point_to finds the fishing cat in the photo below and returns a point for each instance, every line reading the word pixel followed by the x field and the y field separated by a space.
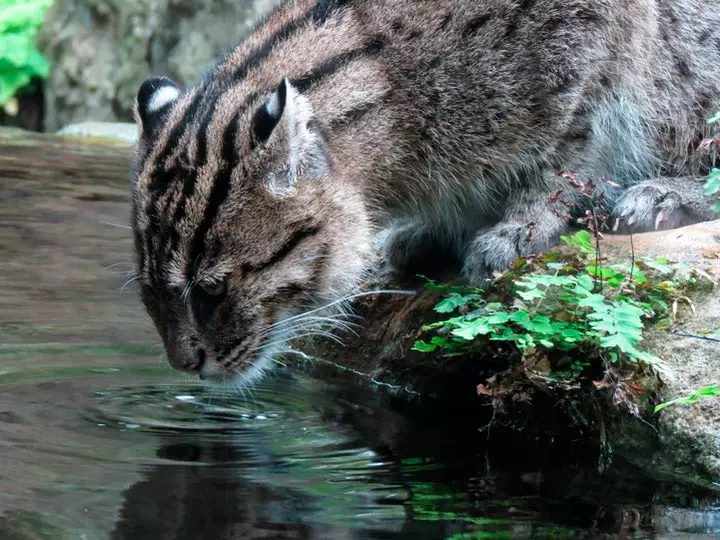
pixel 258 192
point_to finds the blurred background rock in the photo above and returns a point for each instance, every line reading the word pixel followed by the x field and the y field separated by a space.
pixel 100 51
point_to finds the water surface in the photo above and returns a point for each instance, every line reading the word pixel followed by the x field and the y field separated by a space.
pixel 100 439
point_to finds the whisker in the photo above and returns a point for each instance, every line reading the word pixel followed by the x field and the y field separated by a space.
pixel 110 266
pixel 346 298
pixel 320 333
pixel 318 322
pixel 186 290
pixel 278 362
pixel 331 319
pixel 128 282
pixel 297 352
pixel 119 226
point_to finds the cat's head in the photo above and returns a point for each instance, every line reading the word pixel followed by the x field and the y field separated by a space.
pixel 242 219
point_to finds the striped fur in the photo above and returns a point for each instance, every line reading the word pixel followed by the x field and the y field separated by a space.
pixel 449 118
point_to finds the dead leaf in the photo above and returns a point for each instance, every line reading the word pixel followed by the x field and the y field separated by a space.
pixel 711 253
pixel 543 366
pixel 604 383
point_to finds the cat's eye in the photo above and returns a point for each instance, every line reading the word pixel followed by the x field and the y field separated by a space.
pixel 205 299
pixel 214 288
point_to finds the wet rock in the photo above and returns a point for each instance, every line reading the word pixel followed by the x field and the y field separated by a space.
pixel 689 434
pixel 101 50
pixel 121 132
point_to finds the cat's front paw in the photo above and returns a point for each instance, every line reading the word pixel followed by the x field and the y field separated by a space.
pixel 496 248
pixel 648 206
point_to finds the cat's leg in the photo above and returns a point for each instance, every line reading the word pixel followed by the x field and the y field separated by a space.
pixel 532 222
pixel 662 203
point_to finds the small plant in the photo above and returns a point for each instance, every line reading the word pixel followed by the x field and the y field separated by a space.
pixel 712 186
pixel 556 305
pixel 20 61
pixel 707 392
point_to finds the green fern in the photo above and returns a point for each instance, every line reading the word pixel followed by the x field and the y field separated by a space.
pixel 712 186
pixel 558 305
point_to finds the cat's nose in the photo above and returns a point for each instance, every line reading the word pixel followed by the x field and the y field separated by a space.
pixel 196 363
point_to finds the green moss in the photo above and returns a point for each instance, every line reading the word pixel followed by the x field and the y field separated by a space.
pixel 20 61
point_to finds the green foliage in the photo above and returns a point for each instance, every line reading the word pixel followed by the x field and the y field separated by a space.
pixel 712 186
pixel 714 118
pixel 707 392
pixel 581 240
pixel 557 305
pixel 20 61
pixel 712 189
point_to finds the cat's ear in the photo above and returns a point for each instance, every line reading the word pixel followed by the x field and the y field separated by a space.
pixel 287 118
pixel 154 100
pixel 268 116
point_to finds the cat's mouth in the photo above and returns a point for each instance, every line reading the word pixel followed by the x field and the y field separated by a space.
pixel 239 374
pixel 212 372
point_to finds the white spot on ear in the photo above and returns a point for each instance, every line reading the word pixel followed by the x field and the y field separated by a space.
pixel 162 97
pixel 278 101
pixel 272 106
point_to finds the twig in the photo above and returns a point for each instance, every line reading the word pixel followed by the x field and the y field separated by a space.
pixel 697 336
pixel 632 257
pixel 367 376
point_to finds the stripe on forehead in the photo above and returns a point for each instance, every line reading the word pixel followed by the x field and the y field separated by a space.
pixel 149 190
pixel 166 142
pixel 218 193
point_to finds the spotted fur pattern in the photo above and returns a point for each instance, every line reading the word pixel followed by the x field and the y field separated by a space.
pixel 258 192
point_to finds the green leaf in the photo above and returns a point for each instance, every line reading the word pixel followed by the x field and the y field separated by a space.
pixel 706 392
pixel 714 118
pixel 454 301
pixel 661 264
pixel 600 272
pixel 470 330
pixel 594 301
pixel 584 281
pixel 572 334
pixel 620 341
pixel 531 294
pixel 582 240
pixel 422 346
pixel 500 317
pixel 616 280
pixel 712 186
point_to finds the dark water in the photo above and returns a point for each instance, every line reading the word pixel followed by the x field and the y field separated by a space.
pixel 100 439
pixel 92 451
